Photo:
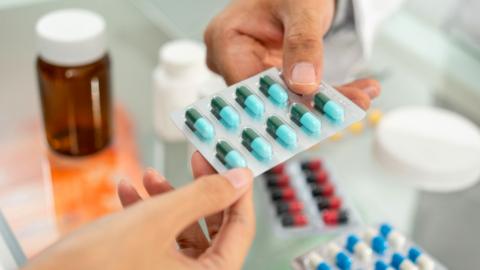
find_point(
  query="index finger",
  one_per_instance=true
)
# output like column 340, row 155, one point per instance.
column 201, row 167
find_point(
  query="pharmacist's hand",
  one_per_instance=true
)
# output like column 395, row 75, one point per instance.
column 252, row 35
column 143, row 236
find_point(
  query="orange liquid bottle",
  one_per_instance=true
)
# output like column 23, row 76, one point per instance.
column 73, row 71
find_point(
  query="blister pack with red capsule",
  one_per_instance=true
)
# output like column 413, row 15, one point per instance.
column 305, row 198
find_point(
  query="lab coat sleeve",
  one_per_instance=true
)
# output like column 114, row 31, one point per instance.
column 369, row 14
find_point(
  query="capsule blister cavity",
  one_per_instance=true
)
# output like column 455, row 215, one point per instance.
column 250, row 102
column 273, row 90
column 256, row 144
column 305, row 119
column 329, row 107
column 199, row 124
column 225, row 113
column 282, row 132
column 229, row 157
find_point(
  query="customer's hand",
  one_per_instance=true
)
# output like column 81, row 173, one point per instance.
column 191, row 241
column 144, row 235
column 252, row 35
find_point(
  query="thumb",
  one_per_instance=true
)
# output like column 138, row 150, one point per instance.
column 305, row 26
column 207, row 196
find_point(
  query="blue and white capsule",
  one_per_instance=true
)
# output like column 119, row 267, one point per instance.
column 200, row 126
column 256, row 144
column 229, row 157
column 301, row 116
column 341, row 259
column 316, row 262
column 250, row 102
column 281, row 132
column 423, row 261
column 227, row 115
column 399, row 262
column 329, row 107
column 381, row 265
column 395, row 238
column 377, row 242
column 273, row 90
column 359, row 248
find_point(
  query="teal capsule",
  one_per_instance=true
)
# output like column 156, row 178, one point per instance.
column 257, row 145
column 199, row 124
column 325, row 105
column 228, row 156
column 279, row 130
column 273, row 90
column 225, row 113
column 304, row 118
column 249, row 101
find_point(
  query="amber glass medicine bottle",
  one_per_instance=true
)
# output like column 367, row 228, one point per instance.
column 73, row 71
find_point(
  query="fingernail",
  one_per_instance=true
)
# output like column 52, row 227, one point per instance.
column 370, row 91
column 155, row 176
column 303, row 73
column 238, row 177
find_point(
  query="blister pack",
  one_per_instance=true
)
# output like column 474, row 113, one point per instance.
column 258, row 123
column 378, row 248
column 304, row 198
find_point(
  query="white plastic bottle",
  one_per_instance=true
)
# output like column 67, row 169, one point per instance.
column 179, row 79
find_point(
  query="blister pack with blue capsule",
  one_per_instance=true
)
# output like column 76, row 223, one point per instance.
column 380, row 247
column 259, row 123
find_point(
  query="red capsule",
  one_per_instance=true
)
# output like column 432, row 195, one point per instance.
column 278, row 180
column 334, row 217
column 324, row 190
column 296, row 220
column 289, row 207
column 333, row 202
column 315, row 165
column 300, row 219
column 285, row 193
column 279, row 169
column 318, row 177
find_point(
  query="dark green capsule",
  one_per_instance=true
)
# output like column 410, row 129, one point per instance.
column 279, row 130
column 304, row 118
column 198, row 124
column 273, row 90
column 329, row 107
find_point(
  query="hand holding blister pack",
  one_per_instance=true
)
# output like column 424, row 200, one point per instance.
column 258, row 123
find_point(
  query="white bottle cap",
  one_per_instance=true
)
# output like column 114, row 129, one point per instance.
column 71, row 37
column 431, row 148
column 183, row 58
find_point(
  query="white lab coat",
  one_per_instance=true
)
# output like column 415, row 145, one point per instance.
column 369, row 14
column 350, row 42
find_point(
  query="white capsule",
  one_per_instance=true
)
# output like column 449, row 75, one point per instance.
column 314, row 260
column 396, row 240
column 332, row 250
column 369, row 234
column 363, row 252
column 425, row 263
column 408, row 265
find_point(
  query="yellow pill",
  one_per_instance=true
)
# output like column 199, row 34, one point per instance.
column 374, row 116
column 336, row 137
column 356, row 128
